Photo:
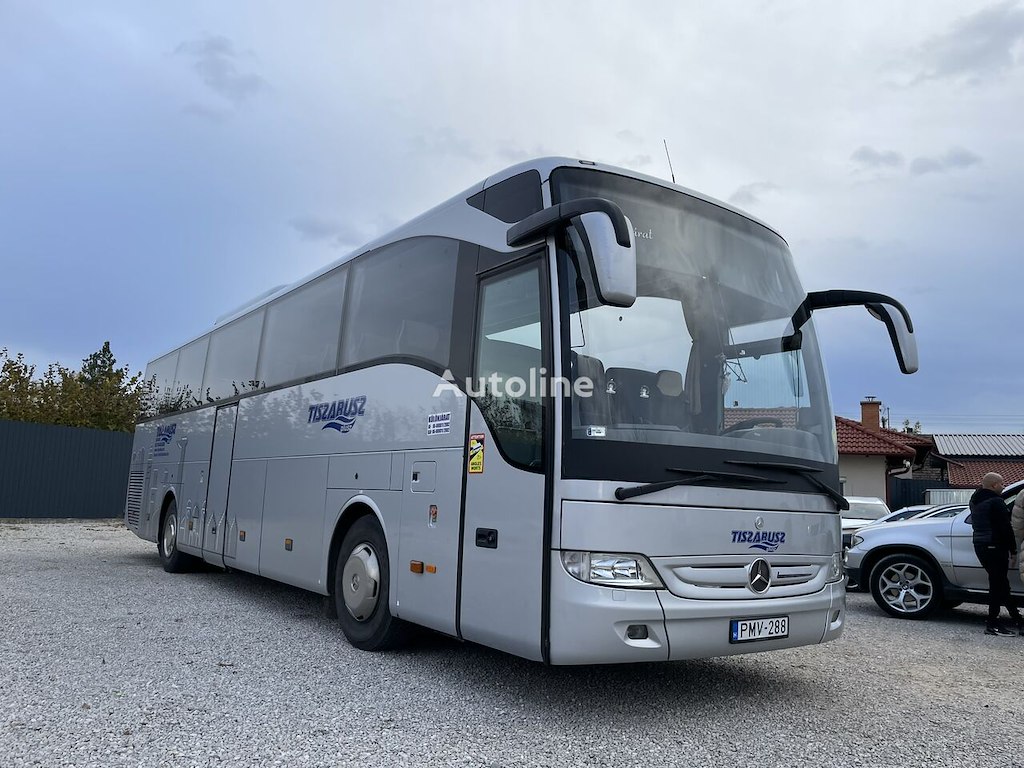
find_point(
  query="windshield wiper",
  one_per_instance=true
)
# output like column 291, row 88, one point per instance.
column 699, row 476
column 808, row 472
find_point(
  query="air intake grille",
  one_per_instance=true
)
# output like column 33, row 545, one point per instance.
column 135, row 482
column 728, row 578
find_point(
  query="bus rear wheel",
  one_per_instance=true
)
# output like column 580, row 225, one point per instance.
column 362, row 589
column 172, row 558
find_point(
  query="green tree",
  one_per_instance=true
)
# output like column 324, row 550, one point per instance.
column 99, row 367
column 17, row 387
column 100, row 395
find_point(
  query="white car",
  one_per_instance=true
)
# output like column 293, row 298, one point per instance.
column 863, row 510
column 904, row 513
column 920, row 511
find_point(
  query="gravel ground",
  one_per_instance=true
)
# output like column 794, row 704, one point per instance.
column 106, row 660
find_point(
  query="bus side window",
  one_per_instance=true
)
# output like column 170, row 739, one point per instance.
column 508, row 360
column 400, row 303
column 234, row 349
column 300, row 337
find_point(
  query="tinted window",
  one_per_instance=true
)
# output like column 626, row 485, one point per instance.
column 511, row 200
column 189, row 377
column 301, row 335
column 509, row 350
column 231, row 363
column 400, row 302
column 866, row 510
column 951, row 512
column 161, row 372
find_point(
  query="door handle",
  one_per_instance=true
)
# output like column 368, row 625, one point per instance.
column 487, row 538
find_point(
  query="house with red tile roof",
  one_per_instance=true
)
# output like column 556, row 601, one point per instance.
column 870, row 454
column 873, row 460
column 870, row 457
column 969, row 457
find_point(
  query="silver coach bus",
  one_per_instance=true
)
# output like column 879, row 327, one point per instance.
column 392, row 431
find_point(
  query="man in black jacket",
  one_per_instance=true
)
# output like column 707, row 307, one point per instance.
column 994, row 546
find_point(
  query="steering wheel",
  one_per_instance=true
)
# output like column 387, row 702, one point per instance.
column 749, row 423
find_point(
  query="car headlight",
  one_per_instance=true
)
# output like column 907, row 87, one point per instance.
column 836, row 568
column 611, row 570
column 856, row 540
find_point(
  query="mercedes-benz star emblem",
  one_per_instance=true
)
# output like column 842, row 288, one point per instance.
column 759, row 522
column 759, row 576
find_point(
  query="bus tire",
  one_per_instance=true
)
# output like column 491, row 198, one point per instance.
column 362, row 589
column 172, row 558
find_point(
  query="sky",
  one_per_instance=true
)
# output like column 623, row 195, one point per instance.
column 161, row 164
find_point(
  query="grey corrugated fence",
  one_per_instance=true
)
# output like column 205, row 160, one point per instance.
column 51, row 471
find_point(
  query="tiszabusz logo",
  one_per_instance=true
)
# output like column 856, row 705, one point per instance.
column 164, row 435
column 766, row 541
column 338, row 414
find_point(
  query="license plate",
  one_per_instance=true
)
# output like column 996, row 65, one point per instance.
column 749, row 630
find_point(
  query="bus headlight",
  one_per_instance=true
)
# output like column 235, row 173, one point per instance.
column 836, row 568
column 611, row 570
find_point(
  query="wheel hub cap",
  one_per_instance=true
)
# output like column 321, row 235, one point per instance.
column 170, row 534
column 362, row 575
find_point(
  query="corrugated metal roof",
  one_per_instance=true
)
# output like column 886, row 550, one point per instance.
column 980, row 445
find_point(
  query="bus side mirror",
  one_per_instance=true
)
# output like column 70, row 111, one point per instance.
column 884, row 308
column 613, row 265
column 607, row 239
column 901, row 333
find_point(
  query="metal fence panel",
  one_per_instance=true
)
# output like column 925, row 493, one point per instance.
column 52, row 471
column 904, row 493
column 948, row 495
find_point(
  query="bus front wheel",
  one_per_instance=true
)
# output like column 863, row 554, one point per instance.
column 362, row 589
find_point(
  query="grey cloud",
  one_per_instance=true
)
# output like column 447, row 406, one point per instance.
column 869, row 157
column 215, row 61
column 512, row 153
column 629, row 137
column 976, row 46
column 850, row 243
column 204, row 112
column 314, row 228
column 446, row 142
column 750, row 194
column 954, row 159
column 317, row 229
column 636, row 162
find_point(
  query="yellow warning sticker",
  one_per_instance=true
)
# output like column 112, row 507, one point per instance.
column 476, row 454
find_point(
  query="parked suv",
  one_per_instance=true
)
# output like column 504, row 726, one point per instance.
column 913, row 567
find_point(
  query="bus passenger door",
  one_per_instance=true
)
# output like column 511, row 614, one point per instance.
column 503, row 539
column 215, row 517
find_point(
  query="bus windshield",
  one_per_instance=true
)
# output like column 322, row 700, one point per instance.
column 706, row 357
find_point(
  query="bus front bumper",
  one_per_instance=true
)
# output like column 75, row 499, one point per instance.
column 601, row 625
